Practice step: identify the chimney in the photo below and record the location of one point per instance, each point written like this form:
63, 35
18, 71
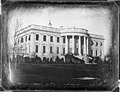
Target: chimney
61, 27
50, 24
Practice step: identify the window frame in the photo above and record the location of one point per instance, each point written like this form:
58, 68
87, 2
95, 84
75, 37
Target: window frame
63, 50
44, 49
63, 39
57, 50
37, 37
22, 39
51, 49
58, 39
26, 38
36, 48
44, 37
29, 37
51, 38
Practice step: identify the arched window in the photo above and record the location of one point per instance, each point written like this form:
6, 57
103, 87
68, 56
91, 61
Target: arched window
36, 49
96, 43
92, 43
100, 43
22, 39
26, 38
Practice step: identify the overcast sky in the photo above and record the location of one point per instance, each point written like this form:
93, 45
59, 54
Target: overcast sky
95, 20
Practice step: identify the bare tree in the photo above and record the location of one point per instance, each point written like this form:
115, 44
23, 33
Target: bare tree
17, 27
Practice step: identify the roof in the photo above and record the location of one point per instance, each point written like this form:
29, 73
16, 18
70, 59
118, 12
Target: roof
58, 30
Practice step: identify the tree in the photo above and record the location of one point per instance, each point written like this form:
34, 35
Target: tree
57, 60
51, 60
62, 60
14, 48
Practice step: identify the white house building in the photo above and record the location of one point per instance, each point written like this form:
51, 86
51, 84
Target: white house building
49, 42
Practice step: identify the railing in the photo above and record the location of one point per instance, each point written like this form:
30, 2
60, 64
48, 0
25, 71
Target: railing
97, 36
38, 27
74, 30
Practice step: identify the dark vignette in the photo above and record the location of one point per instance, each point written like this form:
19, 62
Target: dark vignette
8, 6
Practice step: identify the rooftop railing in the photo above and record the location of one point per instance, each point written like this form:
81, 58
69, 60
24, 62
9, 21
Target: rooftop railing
38, 27
82, 30
62, 30
97, 36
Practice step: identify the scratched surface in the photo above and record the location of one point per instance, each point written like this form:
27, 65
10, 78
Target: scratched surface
24, 72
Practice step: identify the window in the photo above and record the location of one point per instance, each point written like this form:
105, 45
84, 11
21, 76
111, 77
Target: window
22, 40
44, 37
63, 39
82, 40
91, 52
82, 51
43, 49
51, 38
36, 49
96, 52
96, 43
58, 39
37, 36
50, 49
91, 43
100, 43
63, 50
29, 37
26, 38
57, 50
100, 53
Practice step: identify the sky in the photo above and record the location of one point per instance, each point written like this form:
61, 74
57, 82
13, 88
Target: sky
95, 20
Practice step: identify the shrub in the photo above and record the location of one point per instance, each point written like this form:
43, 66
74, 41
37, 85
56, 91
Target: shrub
51, 60
44, 59
32, 60
62, 60
38, 59
57, 60
47, 60
27, 59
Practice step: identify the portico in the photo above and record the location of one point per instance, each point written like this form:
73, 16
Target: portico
76, 44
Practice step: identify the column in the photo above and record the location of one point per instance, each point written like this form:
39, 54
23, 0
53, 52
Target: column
85, 46
93, 52
32, 43
102, 53
66, 45
73, 44
79, 48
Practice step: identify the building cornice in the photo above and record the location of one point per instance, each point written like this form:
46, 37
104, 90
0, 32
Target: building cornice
58, 30
39, 28
51, 29
97, 36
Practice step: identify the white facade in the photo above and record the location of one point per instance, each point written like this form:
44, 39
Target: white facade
51, 42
